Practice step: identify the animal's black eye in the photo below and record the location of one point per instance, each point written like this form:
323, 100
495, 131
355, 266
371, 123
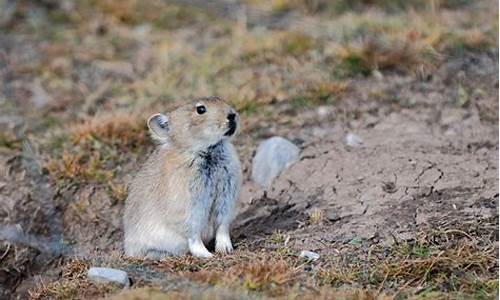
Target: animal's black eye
201, 109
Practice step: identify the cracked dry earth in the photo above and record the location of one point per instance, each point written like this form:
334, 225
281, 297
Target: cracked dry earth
407, 177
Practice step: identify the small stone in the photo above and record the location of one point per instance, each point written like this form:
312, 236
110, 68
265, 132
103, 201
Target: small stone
377, 75
353, 140
142, 31
273, 156
39, 96
309, 255
332, 216
108, 275
323, 111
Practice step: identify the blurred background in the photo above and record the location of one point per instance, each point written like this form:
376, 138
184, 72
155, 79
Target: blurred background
78, 78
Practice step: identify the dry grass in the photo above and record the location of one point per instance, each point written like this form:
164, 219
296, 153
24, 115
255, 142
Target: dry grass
133, 12
95, 151
431, 268
119, 130
215, 293
73, 284
78, 167
317, 216
152, 293
329, 8
410, 55
461, 268
273, 277
438, 263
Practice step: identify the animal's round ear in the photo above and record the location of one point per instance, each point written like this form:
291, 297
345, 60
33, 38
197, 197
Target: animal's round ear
159, 126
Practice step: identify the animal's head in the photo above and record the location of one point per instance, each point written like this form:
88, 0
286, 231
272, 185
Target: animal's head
197, 125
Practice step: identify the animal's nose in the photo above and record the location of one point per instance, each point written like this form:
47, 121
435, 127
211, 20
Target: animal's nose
231, 116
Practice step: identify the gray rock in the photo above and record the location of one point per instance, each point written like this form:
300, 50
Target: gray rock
353, 140
332, 216
108, 275
309, 255
40, 98
272, 157
378, 75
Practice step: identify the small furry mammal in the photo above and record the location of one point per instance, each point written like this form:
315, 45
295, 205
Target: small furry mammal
187, 191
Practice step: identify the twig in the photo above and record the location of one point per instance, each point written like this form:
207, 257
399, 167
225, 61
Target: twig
6, 251
379, 290
430, 267
459, 231
403, 287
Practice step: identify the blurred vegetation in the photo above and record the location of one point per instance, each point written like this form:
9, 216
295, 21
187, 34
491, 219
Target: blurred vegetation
133, 53
341, 6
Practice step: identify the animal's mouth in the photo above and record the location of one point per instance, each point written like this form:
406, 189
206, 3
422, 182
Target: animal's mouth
232, 128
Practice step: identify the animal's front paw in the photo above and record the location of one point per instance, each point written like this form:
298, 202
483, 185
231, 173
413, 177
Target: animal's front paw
202, 254
199, 250
223, 244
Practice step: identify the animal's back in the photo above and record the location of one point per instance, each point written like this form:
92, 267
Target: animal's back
155, 203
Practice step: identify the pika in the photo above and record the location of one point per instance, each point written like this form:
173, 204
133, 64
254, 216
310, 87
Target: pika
187, 191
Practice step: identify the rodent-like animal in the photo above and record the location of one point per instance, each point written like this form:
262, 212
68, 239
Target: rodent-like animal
187, 190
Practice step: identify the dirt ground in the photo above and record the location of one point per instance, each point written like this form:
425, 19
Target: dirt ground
411, 212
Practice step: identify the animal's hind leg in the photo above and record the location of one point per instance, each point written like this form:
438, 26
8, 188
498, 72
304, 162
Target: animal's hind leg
160, 244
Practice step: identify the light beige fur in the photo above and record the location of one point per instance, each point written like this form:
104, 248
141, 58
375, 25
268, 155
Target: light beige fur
183, 180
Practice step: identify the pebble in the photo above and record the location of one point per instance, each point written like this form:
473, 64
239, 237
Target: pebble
273, 156
332, 216
108, 275
309, 255
353, 140
378, 75
323, 111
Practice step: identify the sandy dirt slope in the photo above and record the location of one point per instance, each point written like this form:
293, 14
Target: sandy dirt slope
404, 178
